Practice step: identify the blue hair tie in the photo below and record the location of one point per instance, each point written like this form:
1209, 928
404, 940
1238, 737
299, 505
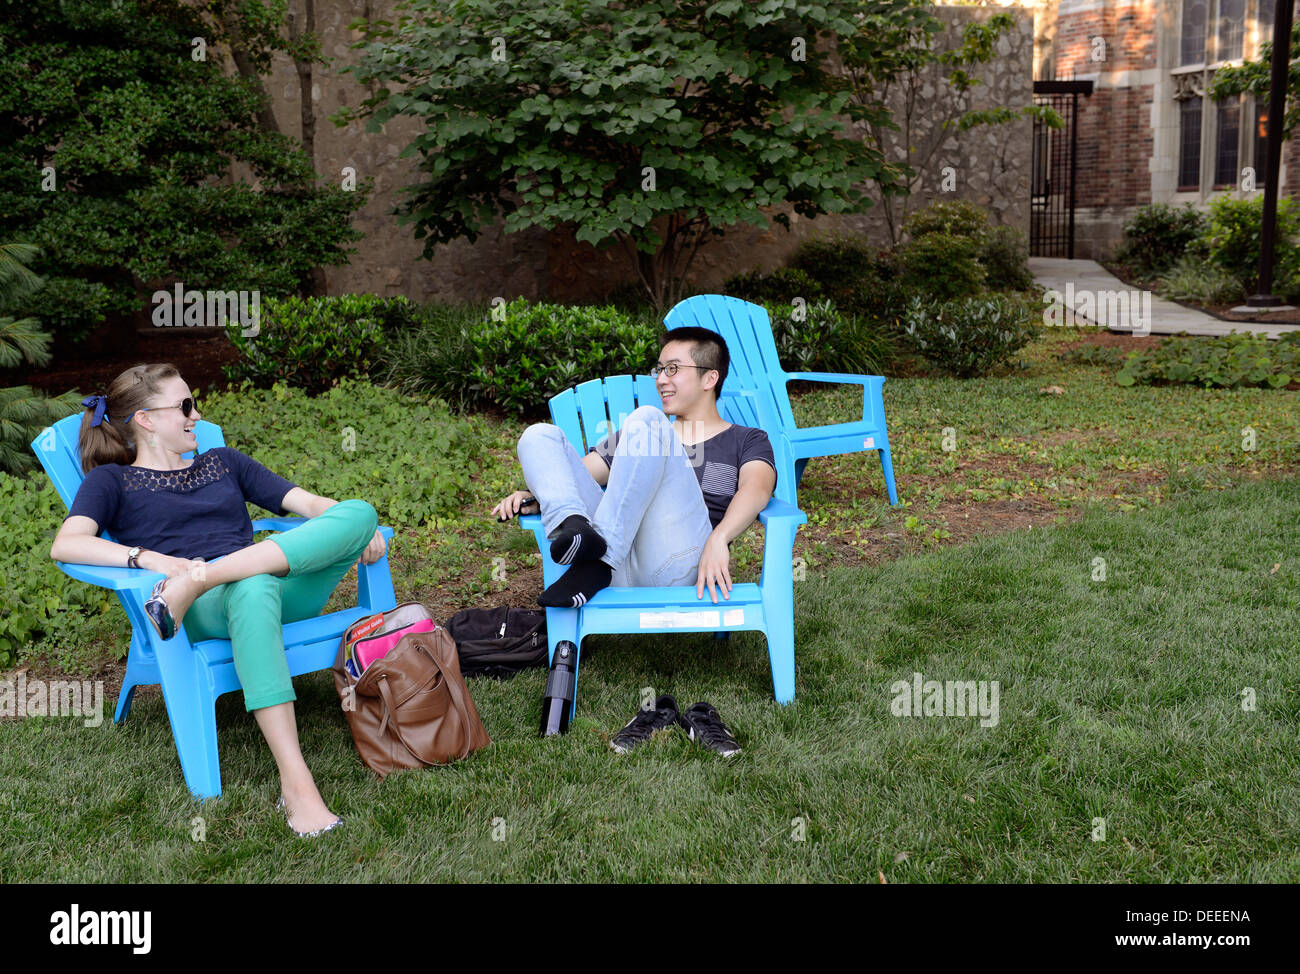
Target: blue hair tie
100, 403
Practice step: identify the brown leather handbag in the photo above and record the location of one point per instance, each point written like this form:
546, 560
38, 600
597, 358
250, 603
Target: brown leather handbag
411, 707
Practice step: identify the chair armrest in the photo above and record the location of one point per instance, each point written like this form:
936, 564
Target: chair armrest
118, 579
866, 381
781, 511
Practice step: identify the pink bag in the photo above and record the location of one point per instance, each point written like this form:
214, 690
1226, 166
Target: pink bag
367, 650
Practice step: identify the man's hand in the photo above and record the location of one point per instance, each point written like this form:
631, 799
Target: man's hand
514, 504
713, 568
375, 550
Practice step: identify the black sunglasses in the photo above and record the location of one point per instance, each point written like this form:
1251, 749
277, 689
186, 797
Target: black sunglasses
186, 406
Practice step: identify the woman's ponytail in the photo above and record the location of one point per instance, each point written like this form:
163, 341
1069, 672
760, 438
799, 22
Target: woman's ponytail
107, 432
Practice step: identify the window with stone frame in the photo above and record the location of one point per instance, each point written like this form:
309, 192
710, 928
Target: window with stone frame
1213, 143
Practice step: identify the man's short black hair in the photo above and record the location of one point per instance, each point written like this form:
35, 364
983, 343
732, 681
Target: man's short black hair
707, 349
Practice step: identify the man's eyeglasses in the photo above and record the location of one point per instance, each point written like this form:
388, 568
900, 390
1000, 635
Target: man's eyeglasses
186, 406
671, 368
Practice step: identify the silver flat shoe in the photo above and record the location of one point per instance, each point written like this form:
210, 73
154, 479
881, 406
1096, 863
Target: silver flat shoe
280, 807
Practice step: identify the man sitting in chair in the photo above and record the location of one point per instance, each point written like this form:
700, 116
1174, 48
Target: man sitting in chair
681, 485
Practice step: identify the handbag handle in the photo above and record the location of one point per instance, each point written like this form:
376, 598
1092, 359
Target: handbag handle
458, 702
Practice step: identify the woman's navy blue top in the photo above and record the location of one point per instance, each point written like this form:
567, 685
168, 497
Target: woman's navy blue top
197, 512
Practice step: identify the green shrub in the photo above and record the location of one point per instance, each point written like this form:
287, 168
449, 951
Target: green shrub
410, 458
861, 281
312, 343
36, 598
437, 356
955, 218
538, 350
942, 267
821, 339
941, 259
1158, 235
971, 336
782, 286
1005, 257
1200, 282
1221, 362
1233, 238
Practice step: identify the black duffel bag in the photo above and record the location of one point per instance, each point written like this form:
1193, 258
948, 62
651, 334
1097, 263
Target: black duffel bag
499, 642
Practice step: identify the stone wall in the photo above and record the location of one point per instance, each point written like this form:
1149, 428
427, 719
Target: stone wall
988, 165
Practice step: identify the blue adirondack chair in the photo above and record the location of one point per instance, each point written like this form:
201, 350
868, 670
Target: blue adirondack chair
586, 414
747, 331
193, 675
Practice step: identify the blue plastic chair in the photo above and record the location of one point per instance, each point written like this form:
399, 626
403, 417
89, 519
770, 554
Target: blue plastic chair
192, 674
586, 414
755, 365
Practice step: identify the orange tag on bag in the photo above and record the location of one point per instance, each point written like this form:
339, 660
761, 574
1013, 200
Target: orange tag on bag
366, 627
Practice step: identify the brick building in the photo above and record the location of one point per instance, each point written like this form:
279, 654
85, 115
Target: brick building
1148, 132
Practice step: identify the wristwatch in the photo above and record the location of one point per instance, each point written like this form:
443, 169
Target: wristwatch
131, 557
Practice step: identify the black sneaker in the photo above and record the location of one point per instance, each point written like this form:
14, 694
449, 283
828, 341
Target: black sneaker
646, 722
704, 725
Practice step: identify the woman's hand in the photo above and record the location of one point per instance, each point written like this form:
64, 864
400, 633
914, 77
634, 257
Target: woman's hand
375, 550
514, 504
155, 561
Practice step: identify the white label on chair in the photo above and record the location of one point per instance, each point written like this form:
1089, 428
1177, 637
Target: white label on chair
869, 443
733, 617
679, 620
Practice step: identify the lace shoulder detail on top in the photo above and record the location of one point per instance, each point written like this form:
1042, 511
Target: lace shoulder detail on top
207, 468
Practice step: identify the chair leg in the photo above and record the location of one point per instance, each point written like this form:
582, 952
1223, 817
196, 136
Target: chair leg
888, 466
562, 624
191, 708
780, 650
138, 673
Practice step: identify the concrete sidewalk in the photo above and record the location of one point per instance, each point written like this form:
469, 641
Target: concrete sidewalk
1086, 287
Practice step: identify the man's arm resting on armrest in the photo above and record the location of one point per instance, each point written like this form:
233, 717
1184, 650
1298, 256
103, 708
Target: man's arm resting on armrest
754, 489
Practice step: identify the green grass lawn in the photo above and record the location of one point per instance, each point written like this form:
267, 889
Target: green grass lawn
1119, 700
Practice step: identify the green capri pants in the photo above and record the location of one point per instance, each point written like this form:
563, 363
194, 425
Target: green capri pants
250, 612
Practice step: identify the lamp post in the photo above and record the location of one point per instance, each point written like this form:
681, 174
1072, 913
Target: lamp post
1273, 144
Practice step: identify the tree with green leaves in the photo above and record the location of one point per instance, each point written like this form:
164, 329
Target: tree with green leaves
649, 124
23, 412
896, 60
119, 134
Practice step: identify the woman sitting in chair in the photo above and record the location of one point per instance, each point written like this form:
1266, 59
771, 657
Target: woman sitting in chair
179, 516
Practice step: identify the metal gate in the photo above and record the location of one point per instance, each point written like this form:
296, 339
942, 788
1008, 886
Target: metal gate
1051, 200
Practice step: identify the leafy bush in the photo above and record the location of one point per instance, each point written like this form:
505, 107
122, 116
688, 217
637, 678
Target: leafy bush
941, 260
1233, 238
972, 336
782, 286
35, 597
820, 339
1200, 282
410, 458
1158, 235
539, 350
312, 343
861, 282
1005, 257
1222, 362
956, 218
437, 356
942, 267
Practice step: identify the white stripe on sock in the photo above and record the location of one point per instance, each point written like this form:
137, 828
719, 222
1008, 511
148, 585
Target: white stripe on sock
573, 550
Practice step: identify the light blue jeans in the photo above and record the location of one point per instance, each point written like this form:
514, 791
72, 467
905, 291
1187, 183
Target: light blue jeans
651, 514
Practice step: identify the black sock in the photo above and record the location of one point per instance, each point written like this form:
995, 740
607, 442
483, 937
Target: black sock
577, 541
575, 587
